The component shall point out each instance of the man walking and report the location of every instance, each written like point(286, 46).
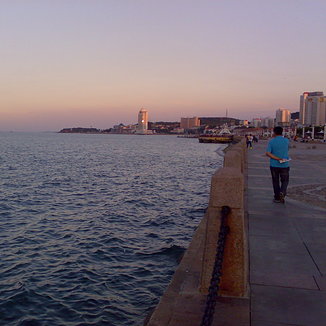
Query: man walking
point(277, 151)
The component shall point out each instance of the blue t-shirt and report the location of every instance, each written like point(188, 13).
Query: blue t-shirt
point(279, 146)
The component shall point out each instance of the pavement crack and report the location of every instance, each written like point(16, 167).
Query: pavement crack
point(312, 258)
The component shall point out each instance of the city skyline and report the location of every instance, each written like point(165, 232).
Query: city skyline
point(68, 64)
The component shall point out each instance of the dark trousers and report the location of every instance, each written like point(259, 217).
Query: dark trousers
point(280, 177)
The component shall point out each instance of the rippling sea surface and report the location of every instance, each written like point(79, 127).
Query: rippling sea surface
point(92, 227)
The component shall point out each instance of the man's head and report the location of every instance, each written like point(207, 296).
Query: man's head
point(278, 131)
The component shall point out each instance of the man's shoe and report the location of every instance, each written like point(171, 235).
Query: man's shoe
point(282, 198)
point(276, 200)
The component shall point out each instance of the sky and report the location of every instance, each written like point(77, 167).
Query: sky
point(71, 63)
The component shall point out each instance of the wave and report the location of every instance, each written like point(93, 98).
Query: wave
point(175, 252)
point(93, 227)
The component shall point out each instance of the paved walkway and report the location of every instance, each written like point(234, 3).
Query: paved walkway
point(287, 249)
point(287, 242)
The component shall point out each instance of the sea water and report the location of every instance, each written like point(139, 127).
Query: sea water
point(92, 227)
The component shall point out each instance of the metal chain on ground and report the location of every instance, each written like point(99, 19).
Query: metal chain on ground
point(217, 270)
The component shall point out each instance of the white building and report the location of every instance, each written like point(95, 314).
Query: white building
point(256, 122)
point(267, 122)
point(282, 117)
point(187, 123)
point(313, 108)
point(142, 126)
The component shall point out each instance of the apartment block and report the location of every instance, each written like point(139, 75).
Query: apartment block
point(187, 123)
point(313, 108)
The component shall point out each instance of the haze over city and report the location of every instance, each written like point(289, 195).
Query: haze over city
point(96, 63)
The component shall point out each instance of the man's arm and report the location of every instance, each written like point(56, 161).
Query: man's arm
point(269, 151)
point(269, 154)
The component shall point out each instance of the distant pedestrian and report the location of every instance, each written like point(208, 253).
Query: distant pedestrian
point(249, 141)
point(277, 151)
point(255, 139)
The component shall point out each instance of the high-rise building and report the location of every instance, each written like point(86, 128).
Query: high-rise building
point(142, 121)
point(187, 123)
point(267, 122)
point(313, 108)
point(295, 116)
point(256, 122)
point(283, 117)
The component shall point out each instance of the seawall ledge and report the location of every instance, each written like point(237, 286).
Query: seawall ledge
point(183, 303)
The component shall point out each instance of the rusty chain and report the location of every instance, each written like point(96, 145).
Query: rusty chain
point(217, 270)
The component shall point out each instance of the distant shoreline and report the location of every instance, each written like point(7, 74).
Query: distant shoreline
point(94, 131)
point(80, 130)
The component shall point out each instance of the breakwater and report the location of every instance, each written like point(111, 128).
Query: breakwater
point(183, 303)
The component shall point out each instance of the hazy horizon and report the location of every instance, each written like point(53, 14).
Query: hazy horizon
point(96, 63)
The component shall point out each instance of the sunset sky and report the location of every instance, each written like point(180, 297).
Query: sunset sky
point(70, 63)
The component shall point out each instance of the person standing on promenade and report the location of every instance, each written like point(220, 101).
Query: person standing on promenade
point(277, 151)
point(249, 141)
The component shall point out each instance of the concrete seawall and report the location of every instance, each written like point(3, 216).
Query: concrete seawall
point(183, 303)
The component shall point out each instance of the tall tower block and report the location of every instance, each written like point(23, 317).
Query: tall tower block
point(142, 121)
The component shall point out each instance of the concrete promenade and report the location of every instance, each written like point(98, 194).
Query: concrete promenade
point(287, 242)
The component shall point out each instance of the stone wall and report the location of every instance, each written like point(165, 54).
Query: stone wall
point(227, 189)
point(184, 300)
